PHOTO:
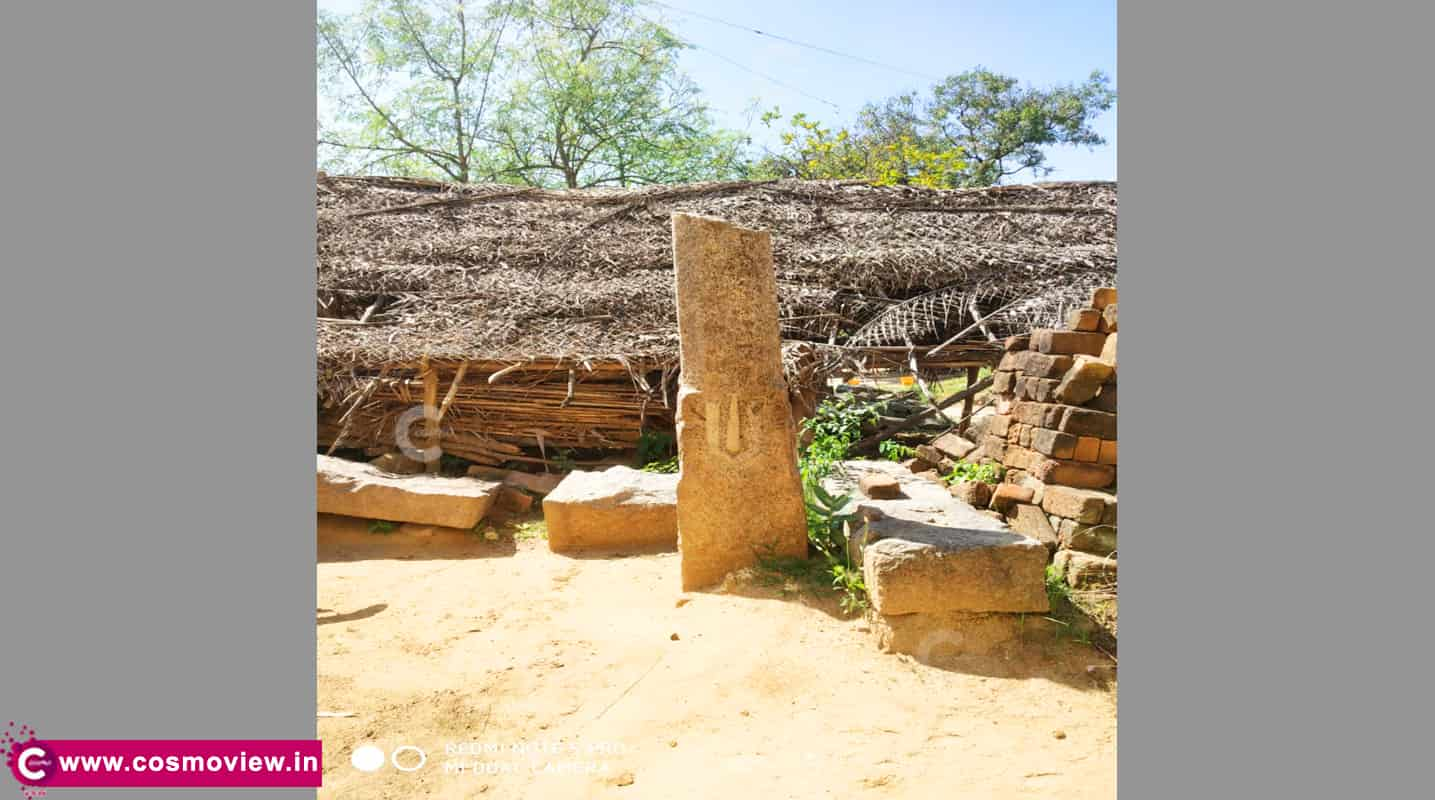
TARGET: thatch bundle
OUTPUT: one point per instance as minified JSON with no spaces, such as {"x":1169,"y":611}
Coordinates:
{"x":576,"y":287}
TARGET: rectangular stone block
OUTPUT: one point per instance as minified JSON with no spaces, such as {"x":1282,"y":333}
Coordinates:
{"x":1003,"y":382}
{"x":1067,"y":342}
{"x":1021,"y":342}
{"x":1074,"y":473}
{"x":1101,"y":298}
{"x":1024,"y":437}
{"x":616,"y":508}
{"x":1011,"y":361}
{"x":1042,"y":365}
{"x":1086,"y":571}
{"x":1088,"y":448}
{"x":1042,"y":390}
{"x":1087,"y":422}
{"x":999,"y":424}
{"x":1041,"y":415}
{"x":362,"y":490}
{"x":993,"y":448}
{"x":953,"y":446}
{"x":1053,"y":443}
{"x":1107,"y":455}
{"x":1084,"y":319}
{"x":1083,"y":505}
{"x":924,"y":568}
{"x":739,"y":493}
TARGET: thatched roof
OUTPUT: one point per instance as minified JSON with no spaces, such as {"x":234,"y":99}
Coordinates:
{"x":499,"y":272}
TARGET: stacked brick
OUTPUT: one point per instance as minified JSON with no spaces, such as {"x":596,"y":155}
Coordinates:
{"x":1055,"y":432}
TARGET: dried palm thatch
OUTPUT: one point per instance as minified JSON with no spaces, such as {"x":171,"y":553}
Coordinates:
{"x":575,"y":288}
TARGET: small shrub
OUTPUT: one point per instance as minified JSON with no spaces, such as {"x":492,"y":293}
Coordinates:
{"x":967,"y":471}
{"x":382,"y":526}
{"x":665,"y":466}
{"x":655,"y":447}
{"x":895,"y":451}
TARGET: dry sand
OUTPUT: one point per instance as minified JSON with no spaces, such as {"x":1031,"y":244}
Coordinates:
{"x":546,"y":676}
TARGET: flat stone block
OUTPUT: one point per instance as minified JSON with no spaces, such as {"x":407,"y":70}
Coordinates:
{"x":616,"y":508}
{"x":362,"y":490}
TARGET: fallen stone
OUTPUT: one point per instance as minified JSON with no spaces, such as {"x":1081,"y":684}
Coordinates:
{"x":399,"y":464}
{"x":977,"y":494}
{"x":1083,"y":381}
{"x":1029,"y":520}
{"x":362,"y":490}
{"x":1008,"y":494}
{"x":536,"y":482}
{"x":929,"y":454}
{"x":1067,"y":342}
{"x":616,"y":508}
{"x":953,"y":445}
{"x":1084,"y":319}
{"x":879,"y":486}
{"x":1084,"y":570}
{"x":1082,"y":505}
{"x":919,"y":465}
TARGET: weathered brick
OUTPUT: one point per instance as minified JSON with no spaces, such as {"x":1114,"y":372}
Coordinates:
{"x":1021,"y":342}
{"x":1083,"y":380}
{"x":1053,"y":443}
{"x":1067,"y":342}
{"x":1101,"y":298}
{"x":1109,"y":515}
{"x":974,"y":493}
{"x":1023,"y":437}
{"x":1107,"y":455}
{"x":1018,"y":457}
{"x":1041,"y":415}
{"x":1087,"y":422}
{"x":1003,"y":382}
{"x":1011,"y":361}
{"x":1006,"y":494}
{"x":1013,"y":433}
{"x":1084,"y":319}
{"x":1083,"y":505}
{"x":1043,"y":365}
{"x":1108,"y":350}
{"x":1108,"y":319}
{"x":953,"y":445}
{"x":1088,"y":448}
{"x":1084,"y":570}
{"x":1028,"y":520}
{"x":1073,"y":473}
{"x":1042,"y":390}
{"x":999,"y":424}
{"x":993,"y":448}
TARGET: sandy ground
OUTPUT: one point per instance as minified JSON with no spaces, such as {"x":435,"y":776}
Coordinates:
{"x":524,"y":674}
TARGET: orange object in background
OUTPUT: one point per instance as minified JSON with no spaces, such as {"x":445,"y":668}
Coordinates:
{"x":908,"y":380}
{"x":854,"y":381}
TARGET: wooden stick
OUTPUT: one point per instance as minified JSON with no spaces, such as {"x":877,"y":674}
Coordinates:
{"x":972,"y":373}
{"x":916,"y":419}
{"x":970,"y":328}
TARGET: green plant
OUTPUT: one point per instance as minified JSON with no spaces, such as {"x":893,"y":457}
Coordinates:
{"x":828,"y":529}
{"x":848,"y":581}
{"x":667,"y":465}
{"x":835,"y":427}
{"x":533,"y":529}
{"x":563,"y":460}
{"x":654,"y":446}
{"x":382,"y":526}
{"x":895,"y":451}
{"x":967,"y":471}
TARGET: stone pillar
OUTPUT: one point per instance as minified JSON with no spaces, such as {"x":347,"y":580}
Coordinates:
{"x":739,"y":493}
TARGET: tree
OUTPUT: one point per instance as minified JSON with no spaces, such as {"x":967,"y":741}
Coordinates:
{"x":601,"y":101}
{"x":543,"y":92}
{"x":976,"y":129}
{"x":412,"y":83}
{"x":1003,"y":128}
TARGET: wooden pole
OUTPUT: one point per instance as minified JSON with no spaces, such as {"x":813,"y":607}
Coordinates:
{"x":972,"y":373}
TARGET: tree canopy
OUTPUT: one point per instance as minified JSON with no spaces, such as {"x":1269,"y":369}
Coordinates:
{"x":582,"y":93}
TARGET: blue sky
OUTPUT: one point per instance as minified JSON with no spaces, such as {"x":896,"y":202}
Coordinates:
{"x":1038,"y":42}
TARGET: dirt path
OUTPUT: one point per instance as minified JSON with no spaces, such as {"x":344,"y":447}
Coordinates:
{"x":607,"y":685}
